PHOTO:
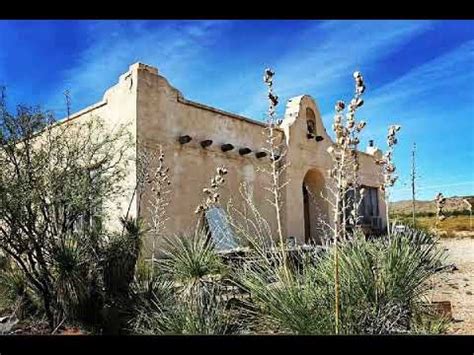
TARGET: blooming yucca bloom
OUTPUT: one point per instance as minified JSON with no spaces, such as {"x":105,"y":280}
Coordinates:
{"x":440,"y":201}
{"x":340,"y":105}
{"x":212,"y":191}
{"x":268,"y":77}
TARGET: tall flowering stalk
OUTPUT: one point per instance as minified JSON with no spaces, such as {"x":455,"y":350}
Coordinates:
{"x":345,"y":174}
{"x":413,"y":178}
{"x":212,"y":192}
{"x":159,"y":182}
{"x":346,"y":166}
{"x":440,"y":202}
{"x":144,"y":161}
{"x":354,"y":129}
{"x":388,"y":169}
{"x":469,"y":207}
{"x":276,"y":149}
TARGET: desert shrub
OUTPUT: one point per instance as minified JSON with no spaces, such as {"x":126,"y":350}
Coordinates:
{"x":382,"y":287}
{"x":53,"y":181}
{"x":16,"y":296}
{"x":188,"y":259}
{"x":383,"y":281}
{"x":429,"y":323}
{"x":187,"y":295}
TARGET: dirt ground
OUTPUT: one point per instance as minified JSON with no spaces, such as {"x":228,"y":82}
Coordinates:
{"x":458,"y":286}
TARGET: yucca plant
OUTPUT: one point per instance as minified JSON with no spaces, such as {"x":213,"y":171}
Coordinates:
{"x":201,"y":311}
{"x":291,"y":305}
{"x":71,"y":267}
{"x":15,"y":294}
{"x":190,"y":259}
{"x":152,"y":295}
{"x":383,"y":282}
{"x":120,"y":259}
{"x":188,"y":295}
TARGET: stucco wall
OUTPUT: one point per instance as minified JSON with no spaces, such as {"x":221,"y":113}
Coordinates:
{"x":117,"y":109}
{"x":307,"y":155}
{"x":164,"y":115}
{"x":158,"y":114}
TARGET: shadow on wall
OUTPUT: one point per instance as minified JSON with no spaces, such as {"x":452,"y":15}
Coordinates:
{"x":315,"y":206}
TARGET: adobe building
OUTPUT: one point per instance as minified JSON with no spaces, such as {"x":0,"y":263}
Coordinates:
{"x":158,"y":114}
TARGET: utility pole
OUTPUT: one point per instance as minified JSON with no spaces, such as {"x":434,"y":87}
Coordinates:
{"x":413,"y":177}
{"x":67,"y":96}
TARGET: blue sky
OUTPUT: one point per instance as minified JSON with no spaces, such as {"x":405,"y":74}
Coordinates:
{"x":419,"y":74}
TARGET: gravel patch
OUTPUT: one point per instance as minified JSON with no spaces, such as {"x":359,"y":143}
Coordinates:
{"x":458,"y":286}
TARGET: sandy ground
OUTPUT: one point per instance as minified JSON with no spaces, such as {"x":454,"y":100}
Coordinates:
{"x":458,"y":286}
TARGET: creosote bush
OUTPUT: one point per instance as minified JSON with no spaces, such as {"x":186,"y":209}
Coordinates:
{"x":54,"y":179}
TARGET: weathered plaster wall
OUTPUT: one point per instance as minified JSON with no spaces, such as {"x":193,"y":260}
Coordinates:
{"x":158,"y":114}
{"x":308,"y":155}
{"x":164,"y":115}
{"x":117,"y":109}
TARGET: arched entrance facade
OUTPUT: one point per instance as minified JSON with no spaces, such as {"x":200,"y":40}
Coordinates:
{"x":315,"y":206}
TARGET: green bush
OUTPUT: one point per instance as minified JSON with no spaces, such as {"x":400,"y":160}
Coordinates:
{"x":382,"y":283}
{"x":189,"y":258}
{"x":187,"y":293}
{"x":15,"y":294}
{"x":428,"y":323}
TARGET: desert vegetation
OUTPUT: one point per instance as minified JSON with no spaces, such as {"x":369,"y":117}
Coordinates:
{"x":456,"y":221}
{"x":62,"y":267}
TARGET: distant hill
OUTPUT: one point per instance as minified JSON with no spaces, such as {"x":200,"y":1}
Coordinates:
{"x":454,"y":203}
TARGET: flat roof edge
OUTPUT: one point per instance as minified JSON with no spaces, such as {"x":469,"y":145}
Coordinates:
{"x":84,"y":111}
{"x":222,"y":112}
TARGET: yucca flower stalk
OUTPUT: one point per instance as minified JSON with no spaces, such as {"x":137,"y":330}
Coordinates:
{"x":469,"y":208}
{"x":355,"y":128}
{"x":440,"y":202}
{"x":159,"y":182}
{"x":345,"y":173}
{"x":388,"y":169}
{"x":276,"y":149}
{"x":338,"y":153}
{"x":212,"y":192}
{"x":143,"y":163}
{"x":346,"y":166}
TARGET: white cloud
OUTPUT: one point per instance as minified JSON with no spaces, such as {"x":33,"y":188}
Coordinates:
{"x":415,"y":99}
{"x":442,"y":75}
{"x":322,"y":59}
{"x":433,"y":103}
{"x":173,"y":47}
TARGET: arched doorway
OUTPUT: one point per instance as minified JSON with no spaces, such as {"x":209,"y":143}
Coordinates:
{"x":315,"y":206}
